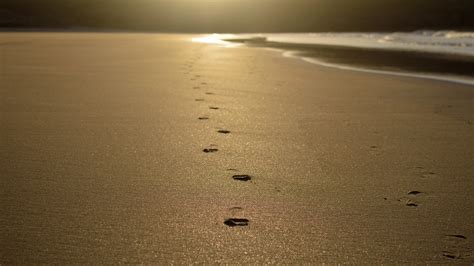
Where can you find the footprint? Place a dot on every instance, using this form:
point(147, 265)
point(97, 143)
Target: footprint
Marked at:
point(196, 87)
point(244, 178)
point(203, 118)
point(425, 173)
point(210, 93)
point(457, 236)
point(414, 192)
point(203, 83)
point(199, 100)
point(223, 131)
point(213, 108)
point(376, 150)
point(411, 203)
point(236, 211)
point(451, 255)
point(210, 150)
point(428, 174)
point(236, 222)
point(233, 170)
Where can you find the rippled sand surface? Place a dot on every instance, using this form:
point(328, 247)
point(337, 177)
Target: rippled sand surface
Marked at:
point(147, 148)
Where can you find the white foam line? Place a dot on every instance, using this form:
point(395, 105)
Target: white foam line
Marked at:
point(293, 54)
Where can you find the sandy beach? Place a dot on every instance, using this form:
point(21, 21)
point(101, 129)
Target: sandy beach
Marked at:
point(111, 153)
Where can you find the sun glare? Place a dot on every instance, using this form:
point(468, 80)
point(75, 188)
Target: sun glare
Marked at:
point(216, 39)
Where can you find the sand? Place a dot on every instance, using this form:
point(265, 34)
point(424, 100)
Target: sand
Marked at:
point(103, 156)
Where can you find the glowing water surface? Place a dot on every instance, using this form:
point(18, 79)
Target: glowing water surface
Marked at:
point(217, 39)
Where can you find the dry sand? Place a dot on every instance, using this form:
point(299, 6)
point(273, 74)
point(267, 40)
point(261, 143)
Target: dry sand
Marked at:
point(102, 156)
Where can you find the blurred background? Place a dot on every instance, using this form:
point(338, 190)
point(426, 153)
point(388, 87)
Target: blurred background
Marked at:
point(239, 15)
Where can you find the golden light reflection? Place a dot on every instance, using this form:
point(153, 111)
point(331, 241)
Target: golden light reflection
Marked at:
point(217, 39)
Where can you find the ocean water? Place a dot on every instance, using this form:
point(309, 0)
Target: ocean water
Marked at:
point(455, 44)
point(446, 42)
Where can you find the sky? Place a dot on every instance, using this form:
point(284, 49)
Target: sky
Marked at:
point(240, 15)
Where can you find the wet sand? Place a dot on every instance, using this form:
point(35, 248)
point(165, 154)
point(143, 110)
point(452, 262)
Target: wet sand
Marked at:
point(141, 148)
point(407, 61)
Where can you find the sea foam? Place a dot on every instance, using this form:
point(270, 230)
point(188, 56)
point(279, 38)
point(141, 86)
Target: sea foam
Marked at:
point(445, 42)
point(440, 42)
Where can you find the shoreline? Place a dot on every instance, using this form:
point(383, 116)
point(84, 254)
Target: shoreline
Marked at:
point(426, 65)
point(444, 78)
